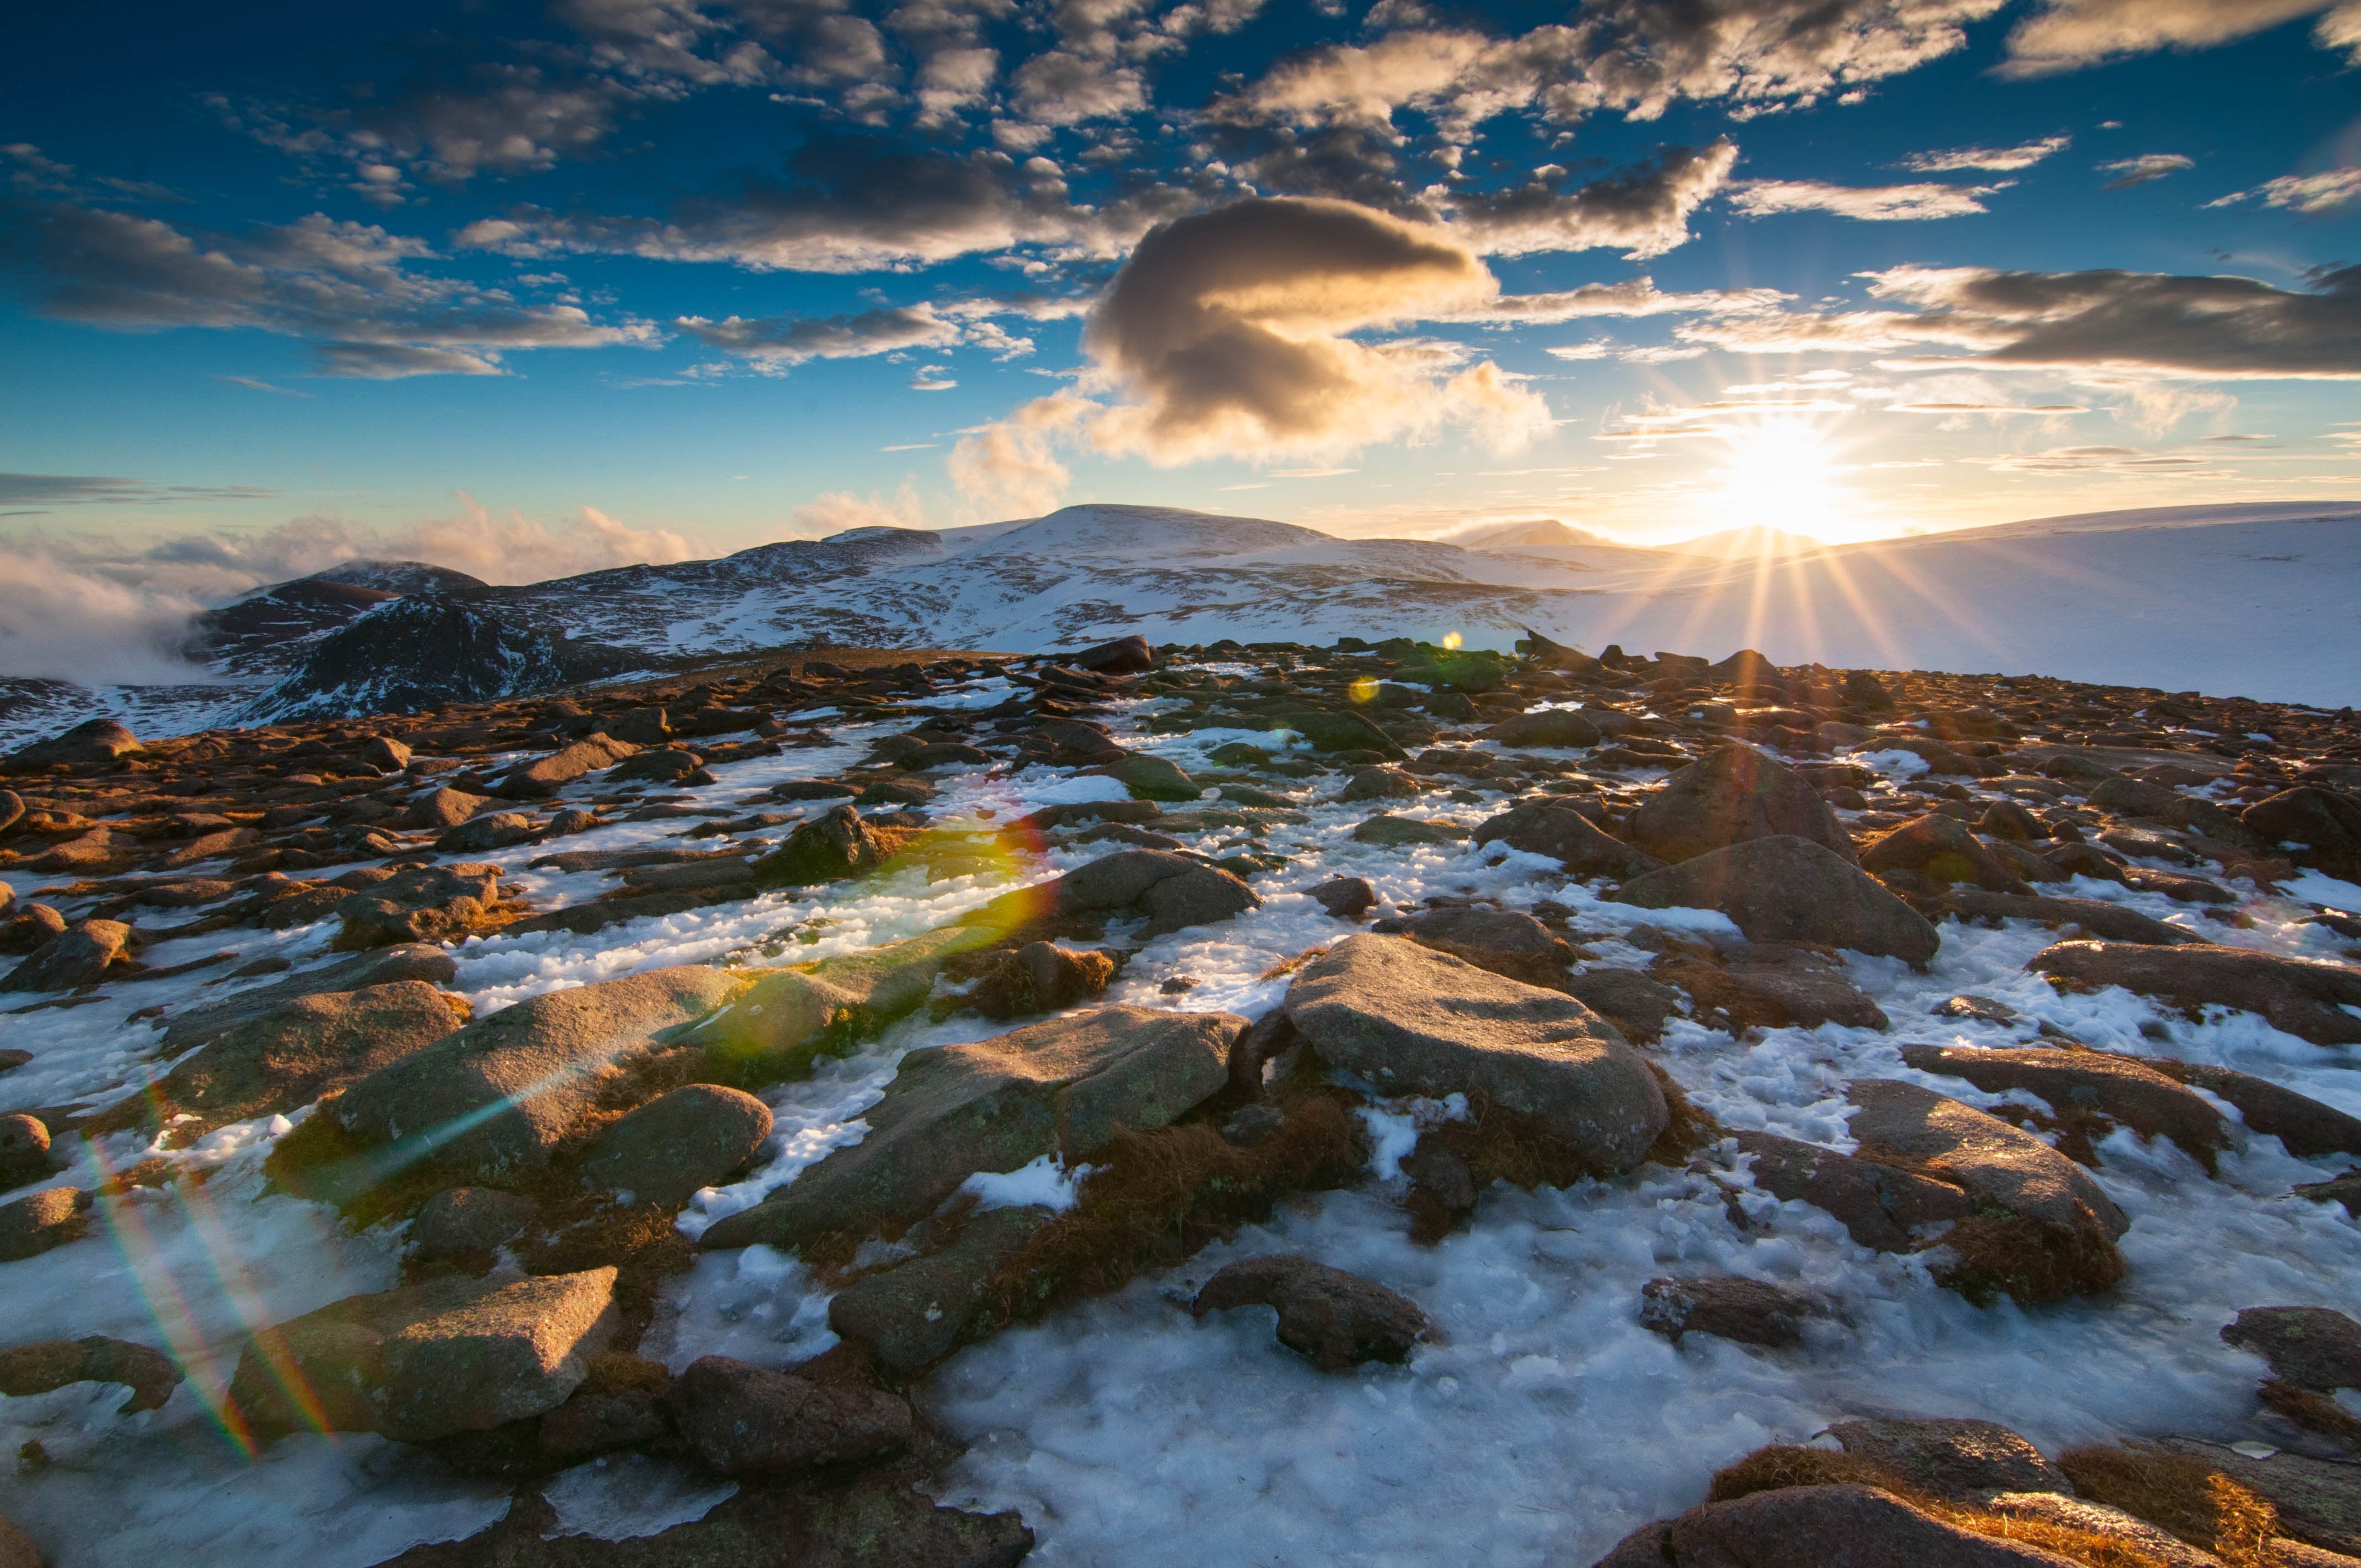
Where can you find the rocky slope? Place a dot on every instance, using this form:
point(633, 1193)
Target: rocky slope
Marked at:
point(2206, 598)
point(1188, 1103)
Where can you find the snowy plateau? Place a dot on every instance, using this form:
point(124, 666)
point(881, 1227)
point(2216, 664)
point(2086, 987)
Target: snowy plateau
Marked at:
point(796, 1059)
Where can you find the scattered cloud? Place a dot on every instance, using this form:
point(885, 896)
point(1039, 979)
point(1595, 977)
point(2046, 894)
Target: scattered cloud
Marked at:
point(1643, 211)
point(2124, 323)
point(349, 290)
point(1873, 204)
point(2310, 194)
point(930, 379)
point(252, 385)
point(1632, 297)
point(44, 491)
point(834, 511)
point(1998, 159)
point(793, 340)
point(2147, 166)
point(2066, 35)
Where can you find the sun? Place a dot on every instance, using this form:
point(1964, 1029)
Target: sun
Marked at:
point(1782, 474)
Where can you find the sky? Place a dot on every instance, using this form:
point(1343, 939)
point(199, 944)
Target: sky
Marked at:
point(533, 288)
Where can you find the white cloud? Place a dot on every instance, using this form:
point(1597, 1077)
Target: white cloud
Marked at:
point(2147, 166)
point(2068, 34)
point(1998, 159)
point(2310, 194)
point(1644, 211)
point(1873, 204)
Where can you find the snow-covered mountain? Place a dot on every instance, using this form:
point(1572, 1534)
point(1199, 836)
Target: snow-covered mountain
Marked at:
point(2261, 600)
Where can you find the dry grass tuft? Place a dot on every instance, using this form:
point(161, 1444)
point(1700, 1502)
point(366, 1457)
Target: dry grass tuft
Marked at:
point(1158, 1197)
point(2181, 1496)
point(2192, 1503)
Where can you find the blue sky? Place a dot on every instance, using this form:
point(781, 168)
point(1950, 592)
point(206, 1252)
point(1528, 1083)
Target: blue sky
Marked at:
point(534, 288)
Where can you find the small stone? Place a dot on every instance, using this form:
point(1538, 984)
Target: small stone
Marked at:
point(1338, 1319)
point(743, 1420)
point(24, 1150)
point(385, 753)
point(1750, 1311)
point(1395, 832)
point(150, 1375)
point(1153, 778)
point(1977, 1009)
point(1346, 898)
point(1379, 781)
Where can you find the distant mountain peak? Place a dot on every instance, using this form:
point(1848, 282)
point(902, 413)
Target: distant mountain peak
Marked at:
point(1542, 532)
point(1743, 544)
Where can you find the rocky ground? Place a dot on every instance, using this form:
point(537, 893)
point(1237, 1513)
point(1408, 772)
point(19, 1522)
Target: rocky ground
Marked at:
point(1376, 1104)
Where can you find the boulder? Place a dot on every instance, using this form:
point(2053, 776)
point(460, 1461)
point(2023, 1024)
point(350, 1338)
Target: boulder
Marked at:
point(677, 1143)
point(12, 811)
point(1040, 977)
point(1412, 1020)
point(482, 833)
point(1750, 1311)
point(24, 1149)
point(1884, 1208)
point(2155, 1547)
point(2110, 922)
point(1634, 1003)
point(1941, 849)
point(93, 743)
point(1957, 1461)
point(1342, 732)
point(544, 776)
point(838, 843)
point(1567, 836)
point(1379, 781)
point(1124, 656)
point(1505, 941)
point(1784, 889)
point(2306, 999)
point(1336, 1318)
point(2317, 1348)
point(1773, 987)
point(1394, 832)
point(88, 952)
point(1552, 726)
point(1175, 890)
point(149, 1374)
point(40, 1221)
point(2080, 1083)
point(2306, 1127)
point(744, 1420)
point(424, 904)
point(461, 1220)
point(385, 753)
point(791, 1016)
point(445, 809)
point(453, 1355)
point(2326, 822)
point(34, 925)
point(1061, 1088)
point(1346, 898)
point(2044, 1229)
point(292, 1054)
point(1819, 1527)
point(1152, 778)
point(915, 1313)
point(1731, 796)
point(355, 971)
point(660, 765)
point(506, 1091)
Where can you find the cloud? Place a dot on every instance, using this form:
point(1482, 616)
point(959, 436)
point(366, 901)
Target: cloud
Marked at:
point(834, 511)
point(1226, 334)
point(348, 289)
point(1873, 204)
point(2120, 322)
point(2310, 194)
point(791, 340)
point(20, 491)
point(2099, 460)
point(1011, 466)
point(853, 205)
point(1636, 56)
point(931, 378)
point(1643, 210)
point(2068, 34)
point(2000, 160)
point(1632, 297)
point(98, 609)
point(252, 385)
point(2147, 166)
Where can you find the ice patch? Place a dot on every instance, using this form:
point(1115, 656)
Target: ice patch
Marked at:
point(619, 1497)
point(1041, 1183)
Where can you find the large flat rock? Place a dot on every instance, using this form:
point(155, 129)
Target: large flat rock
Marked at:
point(505, 1090)
point(1061, 1088)
point(1412, 1020)
point(1785, 889)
